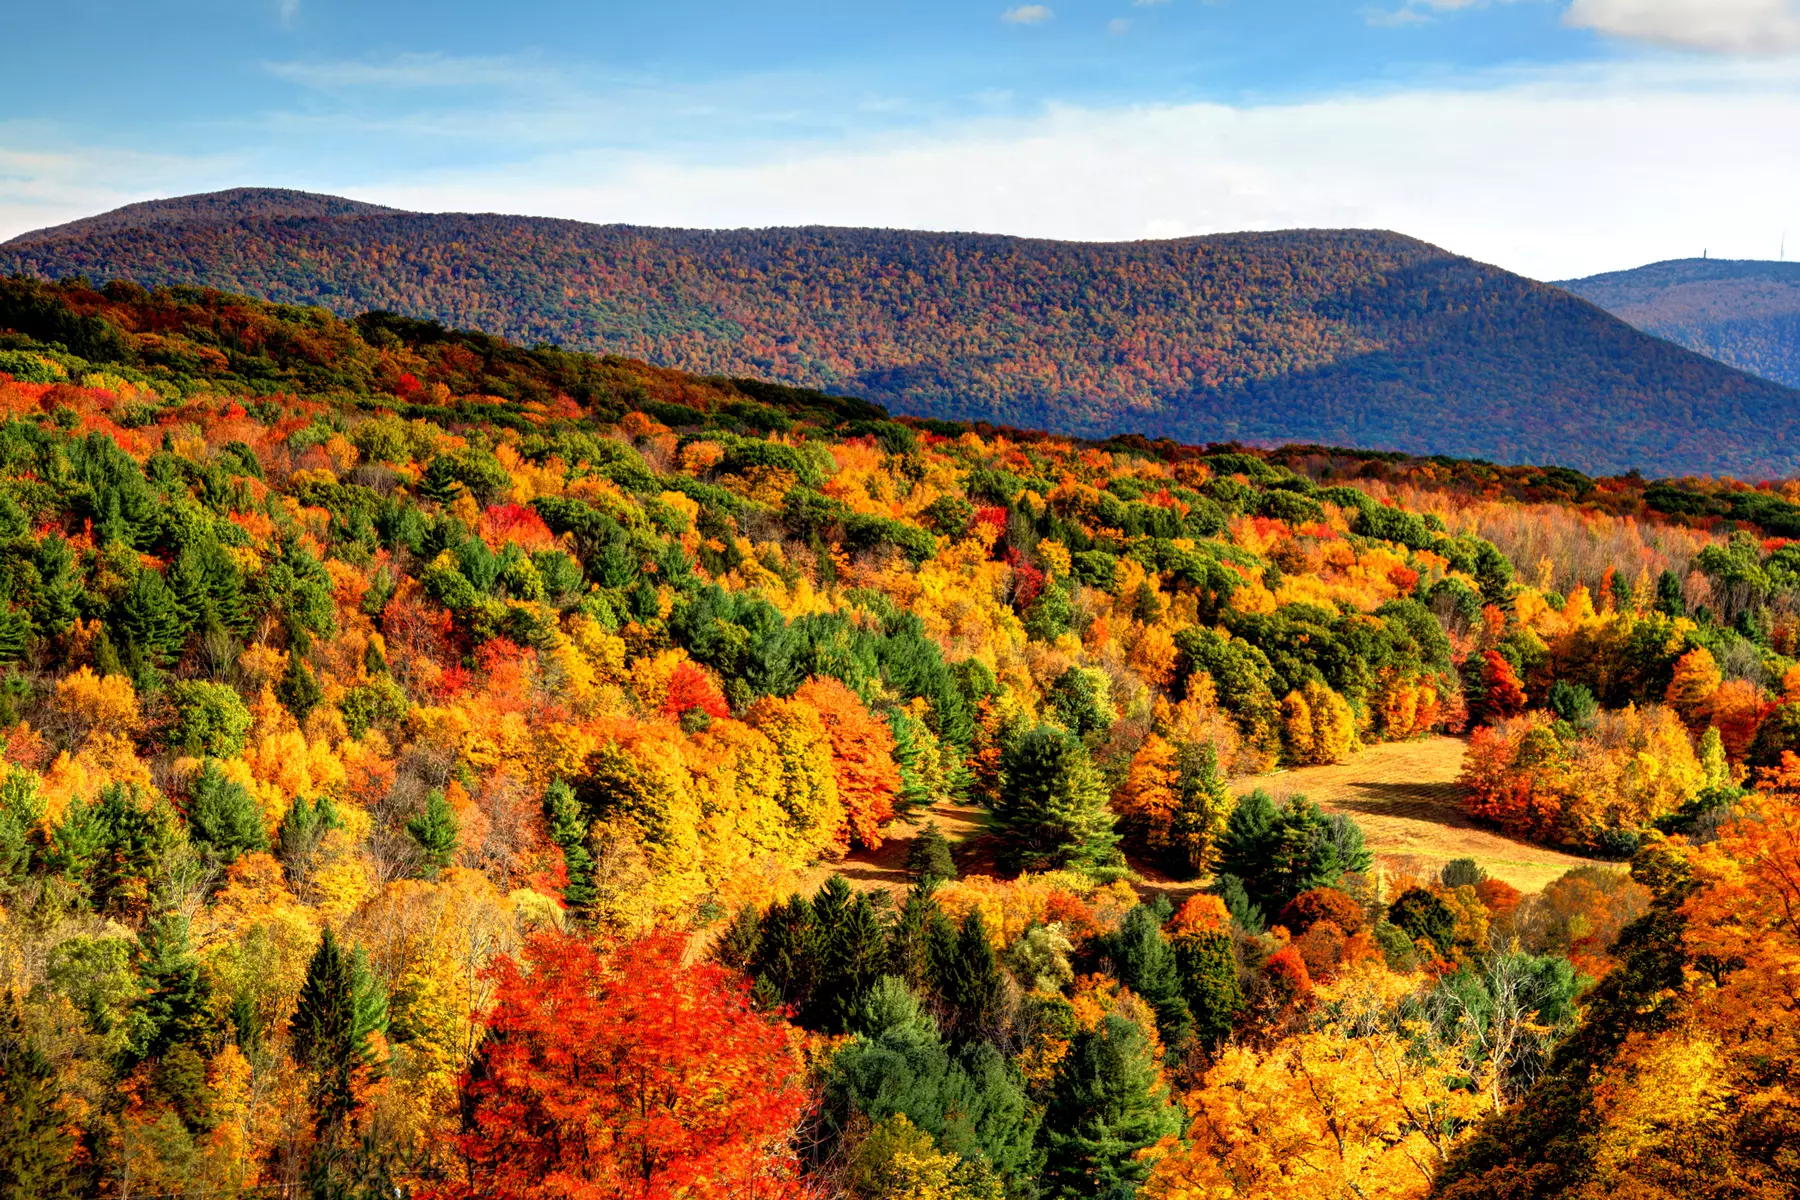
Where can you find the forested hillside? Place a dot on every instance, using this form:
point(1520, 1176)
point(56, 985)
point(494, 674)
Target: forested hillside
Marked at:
point(1746, 314)
point(1349, 337)
point(423, 753)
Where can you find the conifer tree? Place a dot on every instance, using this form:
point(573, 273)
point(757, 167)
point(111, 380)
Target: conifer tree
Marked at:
point(971, 983)
point(1145, 963)
point(175, 1007)
point(851, 951)
point(297, 842)
point(1053, 802)
point(224, 820)
point(341, 1008)
point(435, 830)
point(929, 861)
point(1203, 804)
point(15, 634)
point(920, 927)
point(151, 619)
point(568, 826)
point(36, 1150)
point(299, 688)
point(1207, 966)
point(1107, 1105)
point(786, 954)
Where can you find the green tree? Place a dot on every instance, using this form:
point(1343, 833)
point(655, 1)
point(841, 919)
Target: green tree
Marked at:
point(342, 1007)
point(1277, 853)
point(211, 719)
point(972, 1103)
point(223, 818)
point(971, 983)
point(567, 823)
point(175, 1007)
point(1203, 804)
point(434, 831)
point(1206, 964)
point(299, 690)
point(151, 619)
point(1105, 1107)
point(929, 861)
point(21, 807)
point(15, 634)
point(850, 949)
point(36, 1151)
point(1053, 802)
point(1144, 962)
point(1422, 915)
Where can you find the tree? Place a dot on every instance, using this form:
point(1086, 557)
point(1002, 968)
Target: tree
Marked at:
point(333, 1032)
point(151, 619)
point(971, 1103)
point(1695, 681)
point(299, 689)
point(1203, 804)
point(223, 818)
point(850, 948)
point(1206, 963)
point(970, 982)
point(1424, 916)
point(212, 719)
point(568, 828)
point(1107, 1105)
point(435, 830)
point(862, 758)
point(36, 1149)
point(929, 861)
point(1279, 853)
point(1144, 962)
point(628, 1074)
point(175, 1006)
point(1501, 694)
point(1053, 801)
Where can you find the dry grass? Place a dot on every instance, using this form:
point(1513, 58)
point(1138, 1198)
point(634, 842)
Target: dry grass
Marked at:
point(1404, 795)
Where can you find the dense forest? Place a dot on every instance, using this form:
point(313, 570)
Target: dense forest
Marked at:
point(1746, 314)
point(1349, 337)
point(436, 768)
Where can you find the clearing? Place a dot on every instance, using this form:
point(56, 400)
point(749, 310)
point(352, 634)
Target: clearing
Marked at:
point(1404, 796)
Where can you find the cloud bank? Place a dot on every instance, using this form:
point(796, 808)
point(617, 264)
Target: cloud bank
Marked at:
point(1719, 26)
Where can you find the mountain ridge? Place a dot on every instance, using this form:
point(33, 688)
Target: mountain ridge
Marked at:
point(1341, 336)
point(1743, 312)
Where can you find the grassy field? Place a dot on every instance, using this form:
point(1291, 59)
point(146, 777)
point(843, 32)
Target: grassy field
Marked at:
point(1404, 796)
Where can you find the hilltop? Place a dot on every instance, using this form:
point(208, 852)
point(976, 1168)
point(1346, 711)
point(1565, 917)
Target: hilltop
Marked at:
point(1743, 313)
point(1346, 337)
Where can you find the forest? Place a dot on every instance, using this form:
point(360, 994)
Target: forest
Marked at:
point(1352, 337)
point(441, 768)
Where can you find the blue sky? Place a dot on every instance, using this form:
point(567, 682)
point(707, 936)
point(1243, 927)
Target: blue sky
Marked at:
point(1555, 137)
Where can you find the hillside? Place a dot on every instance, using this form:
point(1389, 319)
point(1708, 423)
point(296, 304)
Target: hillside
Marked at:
point(1347, 337)
point(1744, 313)
point(441, 769)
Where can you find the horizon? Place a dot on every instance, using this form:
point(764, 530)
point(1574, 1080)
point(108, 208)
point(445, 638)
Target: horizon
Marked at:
point(1555, 138)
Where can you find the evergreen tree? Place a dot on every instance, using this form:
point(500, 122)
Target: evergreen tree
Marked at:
point(341, 1008)
point(1106, 1106)
point(299, 689)
point(151, 619)
point(1144, 962)
point(1053, 802)
point(21, 807)
point(736, 947)
point(1671, 599)
point(971, 1103)
point(1206, 964)
point(36, 1151)
point(297, 842)
point(851, 952)
point(920, 927)
point(568, 826)
point(929, 861)
point(15, 634)
point(1277, 853)
point(1424, 916)
point(786, 954)
point(208, 587)
point(225, 821)
point(435, 831)
point(971, 984)
point(174, 1009)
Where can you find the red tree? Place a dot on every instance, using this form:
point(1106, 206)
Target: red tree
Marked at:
point(862, 759)
point(1502, 695)
point(690, 688)
point(628, 1074)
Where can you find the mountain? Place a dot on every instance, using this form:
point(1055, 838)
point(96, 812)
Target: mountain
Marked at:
point(1745, 313)
point(1350, 337)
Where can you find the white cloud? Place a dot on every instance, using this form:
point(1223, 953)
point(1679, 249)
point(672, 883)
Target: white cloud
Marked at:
point(1720, 26)
point(1119, 25)
point(287, 10)
point(1027, 14)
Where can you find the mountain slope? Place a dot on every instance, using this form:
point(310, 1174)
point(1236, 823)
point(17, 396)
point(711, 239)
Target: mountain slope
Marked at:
point(1744, 313)
point(1351, 337)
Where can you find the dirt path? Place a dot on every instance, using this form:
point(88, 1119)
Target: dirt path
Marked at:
point(1404, 796)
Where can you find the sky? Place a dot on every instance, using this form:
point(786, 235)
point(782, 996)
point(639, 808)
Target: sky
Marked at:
point(1557, 138)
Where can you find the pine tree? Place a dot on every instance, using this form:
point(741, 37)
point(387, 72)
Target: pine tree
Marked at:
point(15, 634)
point(929, 861)
point(851, 953)
point(175, 1007)
point(920, 926)
point(224, 820)
point(299, 688)
point(435, 831)
point(1207, 965)
point(786, 954)
point(1144, 962)
point(971, 983)
point(297, 842)
point(342, 1007)
point(151, 619)
point(36, 1150)
point(1053, 802)
point(568, 826)
point(1107, 1106)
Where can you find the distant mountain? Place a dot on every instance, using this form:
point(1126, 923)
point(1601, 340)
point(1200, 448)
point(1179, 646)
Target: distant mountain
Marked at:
point(238, 204)
point(1744, 313)
point(1350, 337)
